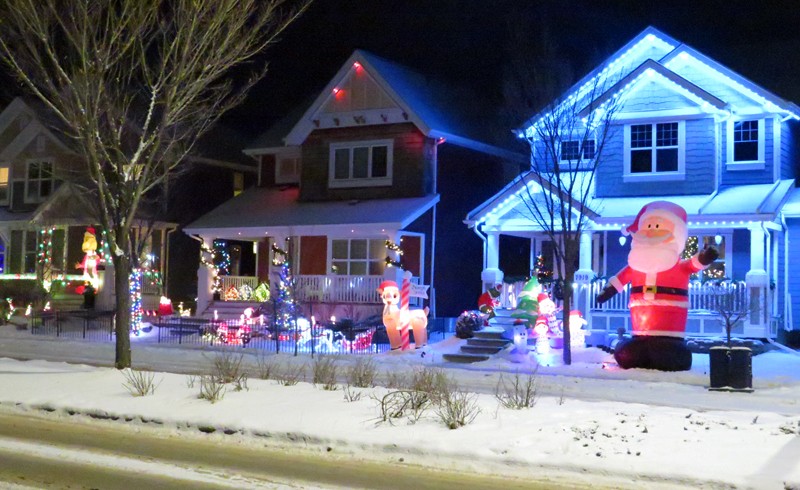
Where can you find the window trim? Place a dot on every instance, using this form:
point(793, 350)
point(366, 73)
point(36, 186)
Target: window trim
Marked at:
point(582, 160)
point(349, 259)
point(361, 182)
point(27, 180)
point(653, 176)
point(758, 164)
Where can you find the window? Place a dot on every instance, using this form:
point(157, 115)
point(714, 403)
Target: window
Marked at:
point(720, 268)
point(238, 183)
point(38, 180)
point(287, 171)
point(3, 185)
point(571, 150)
point(29, 253)
point(367, 163)
point(746, 144)
point(358, 257)
point(654, 150)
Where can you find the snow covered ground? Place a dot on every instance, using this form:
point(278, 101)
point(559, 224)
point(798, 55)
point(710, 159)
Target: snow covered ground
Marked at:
point(591, 423)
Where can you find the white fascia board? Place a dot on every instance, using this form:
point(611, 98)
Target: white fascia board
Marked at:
point(258, 233)
point(271, 150)
point(26, 137)
point(480, 147)
point(770, 101)
point(305, 125)
point(16, 108)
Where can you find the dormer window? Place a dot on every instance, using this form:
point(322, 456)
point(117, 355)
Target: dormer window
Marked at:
point(746, 144)
point(573, 151)
point(361, 164)
point(654, 151)
point(287, 170)
point(38, 180)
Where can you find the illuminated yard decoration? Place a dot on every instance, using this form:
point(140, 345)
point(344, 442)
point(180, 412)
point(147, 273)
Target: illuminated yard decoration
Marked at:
point(659, 293)
point(91, 258)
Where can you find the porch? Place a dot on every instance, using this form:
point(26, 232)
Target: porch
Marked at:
point(605, 320)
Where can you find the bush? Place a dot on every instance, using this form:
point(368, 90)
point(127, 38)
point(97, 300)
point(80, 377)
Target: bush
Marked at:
point(325, 370)
point(293, 375)
point(211, 388)
point(457, 408)
point(363, 373)
point(519, 393)
point(467, 323)
point(266, 366)
point(227, 366)
point(139, 383)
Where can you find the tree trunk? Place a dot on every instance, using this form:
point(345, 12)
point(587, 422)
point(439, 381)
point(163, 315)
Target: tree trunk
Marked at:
point(569, 277)
point(122, 266)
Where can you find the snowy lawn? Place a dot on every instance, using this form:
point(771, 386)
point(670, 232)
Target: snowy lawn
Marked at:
point(634, 427)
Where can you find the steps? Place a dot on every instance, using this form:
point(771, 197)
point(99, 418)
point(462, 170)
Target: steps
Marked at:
point(228, 310)
point(485, 344)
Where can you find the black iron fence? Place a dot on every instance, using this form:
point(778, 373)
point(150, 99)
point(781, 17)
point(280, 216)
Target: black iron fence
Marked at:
point(86, 324)
point(344, 337)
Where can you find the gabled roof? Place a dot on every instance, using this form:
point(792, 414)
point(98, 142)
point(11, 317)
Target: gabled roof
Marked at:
point(650, 70)
point(261, 210)
point(660, 54)
point(436, 109)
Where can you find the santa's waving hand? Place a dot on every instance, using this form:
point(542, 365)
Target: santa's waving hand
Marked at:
point(659, 299)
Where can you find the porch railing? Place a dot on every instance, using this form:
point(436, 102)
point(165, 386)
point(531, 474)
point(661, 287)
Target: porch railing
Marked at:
point(237, 282)
point(702, 296)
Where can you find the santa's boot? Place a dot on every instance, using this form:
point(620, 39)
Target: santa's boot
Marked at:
point(632, 353)
point(669, 354)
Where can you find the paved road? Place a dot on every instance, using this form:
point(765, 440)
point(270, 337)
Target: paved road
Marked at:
point(41, 452)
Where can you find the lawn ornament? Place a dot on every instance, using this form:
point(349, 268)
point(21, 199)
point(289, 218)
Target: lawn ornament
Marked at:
point(659, 288)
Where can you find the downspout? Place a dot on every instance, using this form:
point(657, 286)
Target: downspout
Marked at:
point(484, 239)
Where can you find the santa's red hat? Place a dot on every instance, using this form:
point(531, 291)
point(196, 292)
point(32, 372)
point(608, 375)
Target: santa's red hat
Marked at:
point(575, 313)
point(387, 284)
point(90, 230)
point(542, 297)
point(665, 210)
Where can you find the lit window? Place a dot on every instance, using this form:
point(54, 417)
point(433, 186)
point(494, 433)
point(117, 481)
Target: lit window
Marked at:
point(358, 257)
point(3, 185)
point(238, 183)
point(38, 180)
point(654, 150)
point(720, 267)
point(367, 163)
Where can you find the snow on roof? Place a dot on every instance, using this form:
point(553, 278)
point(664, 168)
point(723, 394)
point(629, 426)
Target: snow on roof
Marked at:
point(269, 208)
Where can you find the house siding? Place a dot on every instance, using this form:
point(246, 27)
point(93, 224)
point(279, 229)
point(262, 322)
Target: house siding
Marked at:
point(699, 158)
point(793, 225)
point(741, 254)
point(744, 177)
point(788, 150)
point(412, 167)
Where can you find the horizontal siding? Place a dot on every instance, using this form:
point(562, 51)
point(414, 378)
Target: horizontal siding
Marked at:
point(794, 279)
point(699, 155)
point(653, 97)
point(741, 254)
point(744, 177)
point(412, 174)
point(789, 157)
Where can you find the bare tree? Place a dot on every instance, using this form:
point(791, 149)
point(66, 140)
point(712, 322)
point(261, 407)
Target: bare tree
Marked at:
point(566, 139)
point(731, 304)
point(134, 84)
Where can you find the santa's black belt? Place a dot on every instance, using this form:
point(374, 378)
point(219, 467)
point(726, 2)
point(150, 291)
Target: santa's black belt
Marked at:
point(660, 290)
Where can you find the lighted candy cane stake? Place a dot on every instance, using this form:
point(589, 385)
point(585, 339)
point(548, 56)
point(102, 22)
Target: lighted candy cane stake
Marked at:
point(405, 316)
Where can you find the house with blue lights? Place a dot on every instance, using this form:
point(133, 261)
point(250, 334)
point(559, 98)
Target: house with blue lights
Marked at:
point(689, 130)
point(382, 153)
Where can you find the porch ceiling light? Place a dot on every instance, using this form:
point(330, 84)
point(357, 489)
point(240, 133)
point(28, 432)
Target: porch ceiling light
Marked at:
point(622, 241)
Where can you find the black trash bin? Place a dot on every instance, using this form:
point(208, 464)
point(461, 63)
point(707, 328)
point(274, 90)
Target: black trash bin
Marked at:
point(88, 296)
point(719, 359)
point(740, 369)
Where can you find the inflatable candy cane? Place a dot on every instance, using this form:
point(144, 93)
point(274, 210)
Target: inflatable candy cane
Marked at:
point(405, 316)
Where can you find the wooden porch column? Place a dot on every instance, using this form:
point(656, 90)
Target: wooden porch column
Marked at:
point(757, 281)
point(492, 274)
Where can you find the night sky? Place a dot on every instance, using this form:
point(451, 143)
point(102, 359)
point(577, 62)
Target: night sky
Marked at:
point(467, 41)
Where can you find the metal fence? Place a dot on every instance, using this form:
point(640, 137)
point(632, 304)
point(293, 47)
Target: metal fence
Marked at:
point(341, 338)
point(86, 324)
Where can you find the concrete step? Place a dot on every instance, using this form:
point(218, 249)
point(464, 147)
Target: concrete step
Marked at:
point(480, 349)
point(479, 342)
point(228, 310)
point(490, 333)
point(465, 358)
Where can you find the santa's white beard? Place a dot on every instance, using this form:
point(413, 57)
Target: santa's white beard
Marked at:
point(647, 256)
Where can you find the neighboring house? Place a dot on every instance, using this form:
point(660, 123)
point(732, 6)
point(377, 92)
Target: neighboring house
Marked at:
point(690, 131)
point(45, 213)
point(381, 154)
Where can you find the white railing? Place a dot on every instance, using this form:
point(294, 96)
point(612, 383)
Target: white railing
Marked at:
point(339, 289)
point(702, 296)
point(237, 282)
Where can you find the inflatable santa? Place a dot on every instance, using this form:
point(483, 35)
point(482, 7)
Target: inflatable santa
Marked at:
point(659, 296)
